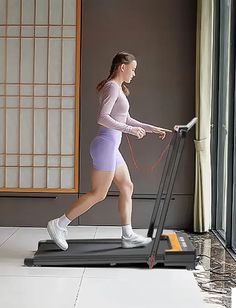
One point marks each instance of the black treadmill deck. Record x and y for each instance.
(164, 249)
(109, 252)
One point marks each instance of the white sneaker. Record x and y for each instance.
(135, 240)
(57, 234)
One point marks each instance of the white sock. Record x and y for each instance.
(63, 221)
(127, 230)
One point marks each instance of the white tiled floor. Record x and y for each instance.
(233, 304)
(54, 287)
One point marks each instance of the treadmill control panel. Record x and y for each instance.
(182, 242)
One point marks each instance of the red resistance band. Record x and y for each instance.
(153, 166)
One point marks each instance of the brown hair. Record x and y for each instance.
(119, 58)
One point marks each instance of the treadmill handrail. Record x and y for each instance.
(186, 127)
(159, 216)
(162, 185)
(165, 205)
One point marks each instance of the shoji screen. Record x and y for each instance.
(39, 91)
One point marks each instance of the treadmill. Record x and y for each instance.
(168, 250)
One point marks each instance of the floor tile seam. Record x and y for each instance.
(32, 228)
(77, 294)
(40, 276)
(17, 229)
(94, 236)
(108, 278)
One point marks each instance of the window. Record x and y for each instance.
(39, 86)
(224, 132)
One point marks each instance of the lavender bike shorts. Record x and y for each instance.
(104, 149)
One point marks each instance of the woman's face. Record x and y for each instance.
(129, 71)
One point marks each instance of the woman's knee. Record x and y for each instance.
(127, 188)
(99, 195)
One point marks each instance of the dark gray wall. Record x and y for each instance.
(161, 33)
(32, 209)
(162, 36)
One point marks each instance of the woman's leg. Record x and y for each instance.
(124, 184)
(101, 182)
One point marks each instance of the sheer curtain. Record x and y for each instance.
(204, 78)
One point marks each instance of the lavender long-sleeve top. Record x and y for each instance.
(114, 110)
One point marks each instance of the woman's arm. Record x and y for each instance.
(147, 127)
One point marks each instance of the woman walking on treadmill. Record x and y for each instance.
(108, 163)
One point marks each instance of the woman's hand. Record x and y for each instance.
(138, 132)
(161, 131)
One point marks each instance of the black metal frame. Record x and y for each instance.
(225, 238)
(214, 114)
(165, 190)
(233, 99)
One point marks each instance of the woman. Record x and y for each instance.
(108, 163)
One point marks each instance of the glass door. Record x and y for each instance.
(223, 116)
